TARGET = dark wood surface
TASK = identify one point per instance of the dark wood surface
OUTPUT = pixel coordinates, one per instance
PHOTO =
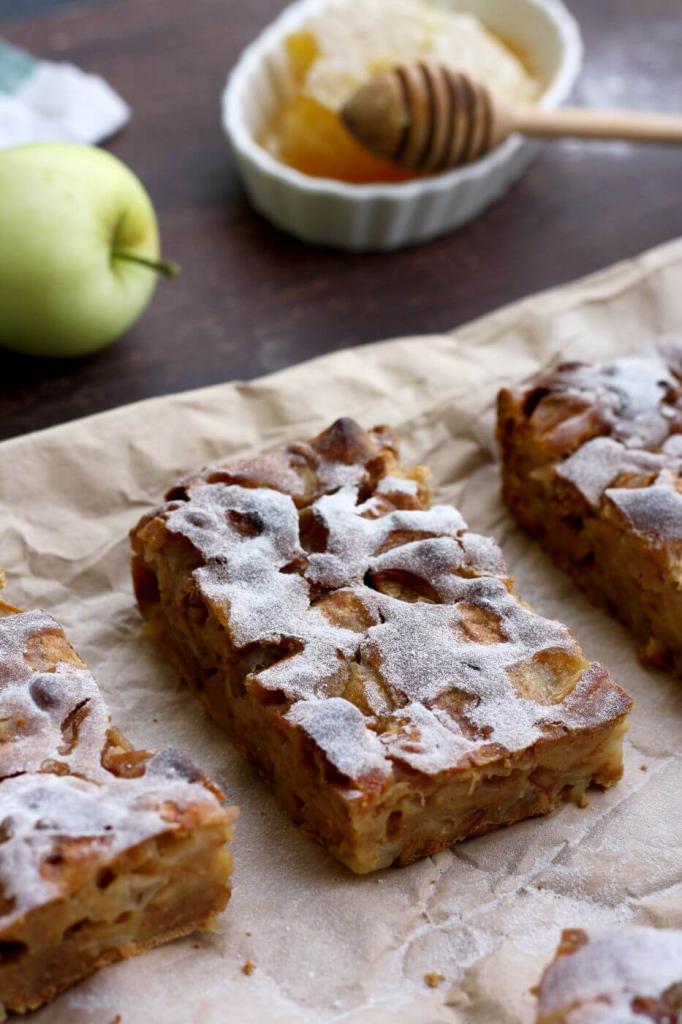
(251, 300)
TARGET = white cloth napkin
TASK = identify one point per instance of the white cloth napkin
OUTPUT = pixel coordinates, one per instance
(43, 101)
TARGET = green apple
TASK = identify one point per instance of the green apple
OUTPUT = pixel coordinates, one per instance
(79, 249)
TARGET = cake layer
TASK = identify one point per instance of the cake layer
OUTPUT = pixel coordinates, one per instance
(105, 851)
(368, 652)
(592, 466)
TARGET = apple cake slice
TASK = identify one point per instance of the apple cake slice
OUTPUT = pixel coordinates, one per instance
(368, 652)
(592, 466)
(105, 851)
(623, 975)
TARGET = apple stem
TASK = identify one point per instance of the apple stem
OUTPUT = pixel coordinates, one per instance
(165, 267)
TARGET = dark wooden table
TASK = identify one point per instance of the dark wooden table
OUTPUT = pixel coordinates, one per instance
(251, 300)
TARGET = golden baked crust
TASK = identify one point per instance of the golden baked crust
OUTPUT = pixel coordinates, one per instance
(591, 460)
(368, 652)
(105, 851)
(618, 975)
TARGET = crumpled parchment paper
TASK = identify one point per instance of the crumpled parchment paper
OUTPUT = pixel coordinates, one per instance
(325, 945)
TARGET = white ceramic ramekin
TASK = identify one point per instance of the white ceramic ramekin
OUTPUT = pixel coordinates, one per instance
(390, 216)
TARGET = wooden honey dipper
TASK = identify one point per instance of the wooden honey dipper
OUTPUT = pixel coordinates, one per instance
(430, 118)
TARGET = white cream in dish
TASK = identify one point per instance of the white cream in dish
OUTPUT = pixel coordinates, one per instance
(359, 38)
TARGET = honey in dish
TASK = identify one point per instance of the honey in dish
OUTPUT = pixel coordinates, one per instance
(309, 136)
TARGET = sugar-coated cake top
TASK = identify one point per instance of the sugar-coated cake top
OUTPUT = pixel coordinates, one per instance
(614, 432)
(53, 713)
(391, 629)
(623, 975)
(67, 792)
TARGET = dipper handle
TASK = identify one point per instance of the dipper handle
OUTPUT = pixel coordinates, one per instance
(430, 118)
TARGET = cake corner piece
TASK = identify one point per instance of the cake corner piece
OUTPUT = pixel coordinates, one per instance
(367, 650)
(105, 851)
(613, 975)
(592, 466)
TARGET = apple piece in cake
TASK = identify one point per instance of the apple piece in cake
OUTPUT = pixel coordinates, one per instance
(368, 652)
(592, 466)
(623, 975)
(105, 851)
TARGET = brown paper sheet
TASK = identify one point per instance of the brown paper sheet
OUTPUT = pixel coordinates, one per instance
(328, 946)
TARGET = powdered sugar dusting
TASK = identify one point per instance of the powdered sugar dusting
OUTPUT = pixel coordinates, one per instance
(57, 715)
(590, 703)
(424, 739)
(641, 386)
(595, 466)
(259, 522)
(242, 579)
(653, 511)
(482, 555)
(632, 458)
(637, 396)
(673, 445)
(424, 654)
(398, 485)
(434, 560)
(614, 967)
(439, 561)
(352, 538)
(428, 616)
(339, 729)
